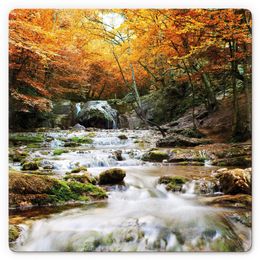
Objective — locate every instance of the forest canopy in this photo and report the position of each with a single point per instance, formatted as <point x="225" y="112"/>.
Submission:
<point x="100" y="54"/>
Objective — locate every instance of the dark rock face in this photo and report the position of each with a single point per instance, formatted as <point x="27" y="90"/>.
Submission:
<point x="180" y="141"/>
<point x="97" y="114"/>
<point x="62" y="114"/>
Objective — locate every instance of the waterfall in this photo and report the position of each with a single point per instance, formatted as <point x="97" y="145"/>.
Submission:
<point x="98" y="113"/>
<point x="78" y="107"/>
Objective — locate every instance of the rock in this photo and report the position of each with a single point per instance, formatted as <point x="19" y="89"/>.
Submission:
<point x="79" y="169"/>
<point x="71" y="144"/>
<point x="59" y="151"/>
<point x="234" y="181"/>
<point x="188" y="155"/>
<point x="30" y="165"/>
<point x="241" y="161"/>
<point x="233" y="201"/>
<point x="112" y="176"/>
<point x="78" y="127"/>
<point x="122" y="137"/>
<point x="82" y="139"/>
<point x="118" y="155"/>
<point x="155" y="156"/>
<point x="26" y="190"/>
<point x="83" y="178"/>
<point x="189" y="132"/>
<point x="98" y="114"/>
<point x="47" y="165"/>
<point x="18" y="155"/>
<point x="180" y="141"/>
<point x="14" y="232"/>
<point x="25" y="138"/>
<point x="173" y="183"/>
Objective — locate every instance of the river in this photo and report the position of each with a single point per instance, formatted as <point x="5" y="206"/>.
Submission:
<point x="139" y="216"/>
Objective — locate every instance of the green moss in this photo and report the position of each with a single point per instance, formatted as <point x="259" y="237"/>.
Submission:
<point x="83" y="178"/>
<point x="82" y="139"/>
<point x="79" y="169"/>
<point x="34" y="145"/>
<point x="14" y="232"/>
<point x="59" y="151"/>
<point x="44" y="152"/>
<point x="155" y="156"/>
<point x="18" y="156"/>
<point x="43" y="190"/>
<point x="173" y="183"/>
<point x="88" y="188"/>
<point x="31" y="165"/>
<point x="112" y="176"/>
<point x="91" y="134"/>
<point x="26" y="138"/>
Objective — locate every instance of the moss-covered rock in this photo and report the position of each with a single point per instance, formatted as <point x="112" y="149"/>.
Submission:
<point x="82" y="139"/>
<point x="18" y="155"/>
<point x="241" y="161"/>
<point x="14" y="232"/>
<point x="155" y="156"/>
<point x="188" y="156"/>
<point x="88" y="189"/>
<point x="30" y="165"/>
<point x="173" y="183"/>
<point x="79" y="169"/>
<point x="26" y="138"/>
<point x="29" y="190"/>
<point x="83" y="178"/>
<point x="71" y="144"/>
<point x="112" y="176"/>
<point x="59" y="151"/>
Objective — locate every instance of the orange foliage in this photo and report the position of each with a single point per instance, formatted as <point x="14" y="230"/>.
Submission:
<point x="71" y="53"/>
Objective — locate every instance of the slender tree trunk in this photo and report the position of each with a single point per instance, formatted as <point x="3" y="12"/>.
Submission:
<point x="133" y="87"/>
<point x="212" y="101"/>
<point x="236" y="127"/>
<point x="192" y="87"/>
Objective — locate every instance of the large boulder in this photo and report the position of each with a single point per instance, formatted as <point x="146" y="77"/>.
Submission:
<point x="112" y="176"/>
<point x="35" y="190"/>
<point x="97" y="114"/>
<point x="234" y="181"/>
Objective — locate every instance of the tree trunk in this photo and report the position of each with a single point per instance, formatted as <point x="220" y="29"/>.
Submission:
<point x="212" y="101"/>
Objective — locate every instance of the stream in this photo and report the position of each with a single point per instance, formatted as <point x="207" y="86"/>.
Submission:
<point x="139" y="216"/>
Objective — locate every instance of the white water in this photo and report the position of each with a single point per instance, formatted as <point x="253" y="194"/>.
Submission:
<point x="140" y="216"/>
<point x="78" y="107"/>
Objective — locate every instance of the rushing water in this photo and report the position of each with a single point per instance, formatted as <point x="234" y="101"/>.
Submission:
<point x="140" y="216"/>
